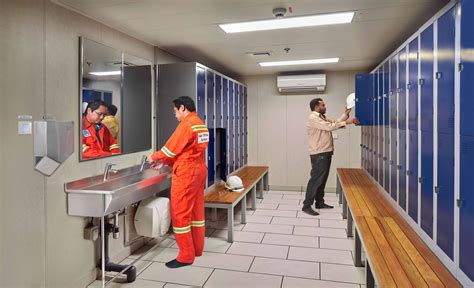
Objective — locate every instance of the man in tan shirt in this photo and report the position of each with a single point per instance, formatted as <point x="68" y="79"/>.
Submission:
<point x="321" y="148"/>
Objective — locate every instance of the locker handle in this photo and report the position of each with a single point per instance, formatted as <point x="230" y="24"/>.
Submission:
<point x="421" y="81"/>
<point x="459" y="202"/>
<point x="460" y="67"/>
<point x="399" y="167"/>
<point x="408" y="172"/>
<point x="439" y="75"/>
<point x="436" y="189"/>
<point x="385" y="158"/>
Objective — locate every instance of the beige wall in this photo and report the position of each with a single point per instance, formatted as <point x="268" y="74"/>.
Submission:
<point x="277" y="131"/>
<point x="41" y="246"/>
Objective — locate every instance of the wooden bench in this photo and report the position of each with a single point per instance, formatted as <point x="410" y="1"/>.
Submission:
<point x="255" y="180"/>
<point x="395" y="255"/>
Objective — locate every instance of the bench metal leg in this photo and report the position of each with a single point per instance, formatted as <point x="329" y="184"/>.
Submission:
<point x="243" y="208"/>
<point x="265" y="183"/>
<point x="370" y="281"/>
<point x="344" y="207"/>
<point x="349" y="223"/>
<point x="230" y="224"/>
<point x="358" y="250"/>
<point x="339" y="189"/>
<point x="214" y="214"/>
<point x="253" y="194"/>
<point x="259" y="187"/>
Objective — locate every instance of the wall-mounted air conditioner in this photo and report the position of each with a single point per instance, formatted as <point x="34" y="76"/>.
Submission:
<point x="301" y="83"/>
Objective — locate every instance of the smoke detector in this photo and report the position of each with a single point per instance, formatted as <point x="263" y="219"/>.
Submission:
<point x="279" y="12"/>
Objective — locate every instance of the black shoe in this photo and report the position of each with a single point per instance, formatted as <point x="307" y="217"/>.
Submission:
<point x="323" y="206"/>
<point x="310" y="211"/>
<point x="176" y="264"/>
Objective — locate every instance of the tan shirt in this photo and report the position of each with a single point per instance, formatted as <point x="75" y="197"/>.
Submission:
<point x="319" y="132"/>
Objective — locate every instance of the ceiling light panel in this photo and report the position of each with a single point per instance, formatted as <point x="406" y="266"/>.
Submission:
<point x="106" y="73"/>
<point x="300" y="62"/>
<point x="292" y="22"/>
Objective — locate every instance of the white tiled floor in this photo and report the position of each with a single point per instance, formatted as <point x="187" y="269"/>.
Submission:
<point x="280" y="246"/>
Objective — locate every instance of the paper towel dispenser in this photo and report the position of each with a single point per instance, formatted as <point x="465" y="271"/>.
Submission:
<point x="54" y="143"/>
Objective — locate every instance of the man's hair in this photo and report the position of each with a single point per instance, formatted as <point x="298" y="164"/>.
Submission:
<point x="112" y="109"/>
<point x="314" y="103"/>
<point x="186" y="101"/>
<point x="95" y="105"/>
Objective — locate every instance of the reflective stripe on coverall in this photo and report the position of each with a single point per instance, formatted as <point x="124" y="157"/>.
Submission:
<point x="185" y="151"/>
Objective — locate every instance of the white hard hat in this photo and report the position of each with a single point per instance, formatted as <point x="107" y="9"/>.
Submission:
<point x="350" y="101"/>
<point x="234" y="183"/>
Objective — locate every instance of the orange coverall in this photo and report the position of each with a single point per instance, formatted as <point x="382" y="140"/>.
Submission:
<point x="185" y="151"/>
<point x="92" y="147"/>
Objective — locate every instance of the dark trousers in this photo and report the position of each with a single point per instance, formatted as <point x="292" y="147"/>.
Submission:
<point x="320" y="165"/>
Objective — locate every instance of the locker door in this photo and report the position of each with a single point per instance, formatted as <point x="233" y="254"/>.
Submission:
<point x="373" y="127"/>
<point x="426" y="177"/>
<point x="218" y="101"/>
<point x="245" y="126"/>
<point x="466" y="237"/>
<point x="201" y="93"/>
<point x="426" y="58"/>
<point x="386" y="128"/>
<point x="445" y="225"/>
<point x="402" y="130"/>
<point x="412" y="172"/>
<point x="237" y="126"/>
<point x="231" y="127"/>
<point x="427" y="182"/>
<point x="445" y="73"/>
<point x="241" y="125"/>
<point x="445" y="82"/>
<point x="225" y="105"/>
<point x="467" y="75"/>
<point x="210" y="125"/>
<point x="380" y="127"/>
<point x="363" y="92"/>
<point x="376" y="126"/>
<point x="393" y="128"/>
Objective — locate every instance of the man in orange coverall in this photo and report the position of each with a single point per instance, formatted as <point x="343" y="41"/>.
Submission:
<point x="185" y="151"/>
<point x="96" y="138"/>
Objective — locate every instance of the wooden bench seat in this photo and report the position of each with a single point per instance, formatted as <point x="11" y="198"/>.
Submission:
<point x="396" y="255"/>
<point x="255" y="180"/>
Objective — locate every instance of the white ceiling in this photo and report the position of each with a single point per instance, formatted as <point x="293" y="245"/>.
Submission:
<point x="188" y="28"/>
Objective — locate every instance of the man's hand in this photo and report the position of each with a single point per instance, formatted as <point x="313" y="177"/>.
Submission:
<point x="156" y="165"/>
<point x="348" y="111"/>
<point x="352" y="121"/>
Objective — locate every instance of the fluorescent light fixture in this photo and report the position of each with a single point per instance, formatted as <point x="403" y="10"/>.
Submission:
<point x="106" y="73"/>
<point x="300" y="62"/>
<point x="291" y="22"/>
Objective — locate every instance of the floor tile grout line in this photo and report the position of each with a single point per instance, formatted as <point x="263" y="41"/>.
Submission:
<point x="208" y="277"/>
<point x="250" y="266"/>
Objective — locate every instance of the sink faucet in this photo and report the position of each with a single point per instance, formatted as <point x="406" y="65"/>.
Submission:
<point x="142" y="165"/>
<point x="108" y="168"/>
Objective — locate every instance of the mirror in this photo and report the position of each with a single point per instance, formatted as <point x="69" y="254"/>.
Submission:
<point x="115" y="101"/>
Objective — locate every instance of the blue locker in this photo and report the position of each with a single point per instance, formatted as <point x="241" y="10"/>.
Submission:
<point x="402" y="130"/>
<point x="108" y="97"/>
<point x="466" y="237"/>
<point x="386" y="128"/>
<point x="413" y="176"/>
<point x="225" y="105"/>
<point x="245" y="126"/>
<point x="218" y="101"/>
<point x="426" y="59"/>
<point x="210" y="125"/>
<point x="237" y="126"/>
<point x="380" y="127"/>
<point x="91" y="95"/>
<point x="363" y="95"/>
<point x="393" y="127"/>
<point x="201" y="93"/>
<point x="446" y="193"/>
<point x="467" y="75"/>
<point x="242" y="127"/>
<point x="231" y="127"/>
<point x="413" y="86"/>
<point x="445" y="73"/>
<point x="426" y="179"/>
<point x="374" y="130"/>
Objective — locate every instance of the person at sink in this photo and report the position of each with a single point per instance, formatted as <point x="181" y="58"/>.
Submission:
<point x="97" y="141"/>
<point x="185" y="151"/>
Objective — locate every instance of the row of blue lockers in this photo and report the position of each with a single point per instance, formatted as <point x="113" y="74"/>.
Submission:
<point x="222" y="104"/>
<point x="414" y="138"/>
<point x="220" y="101"/>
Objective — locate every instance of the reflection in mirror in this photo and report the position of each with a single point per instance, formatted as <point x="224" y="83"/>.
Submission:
<point x="100" y="100"/>
<point x="136" y="104"/>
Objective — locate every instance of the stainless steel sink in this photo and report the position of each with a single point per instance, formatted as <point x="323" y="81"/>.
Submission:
<point x="92" y="197"/>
